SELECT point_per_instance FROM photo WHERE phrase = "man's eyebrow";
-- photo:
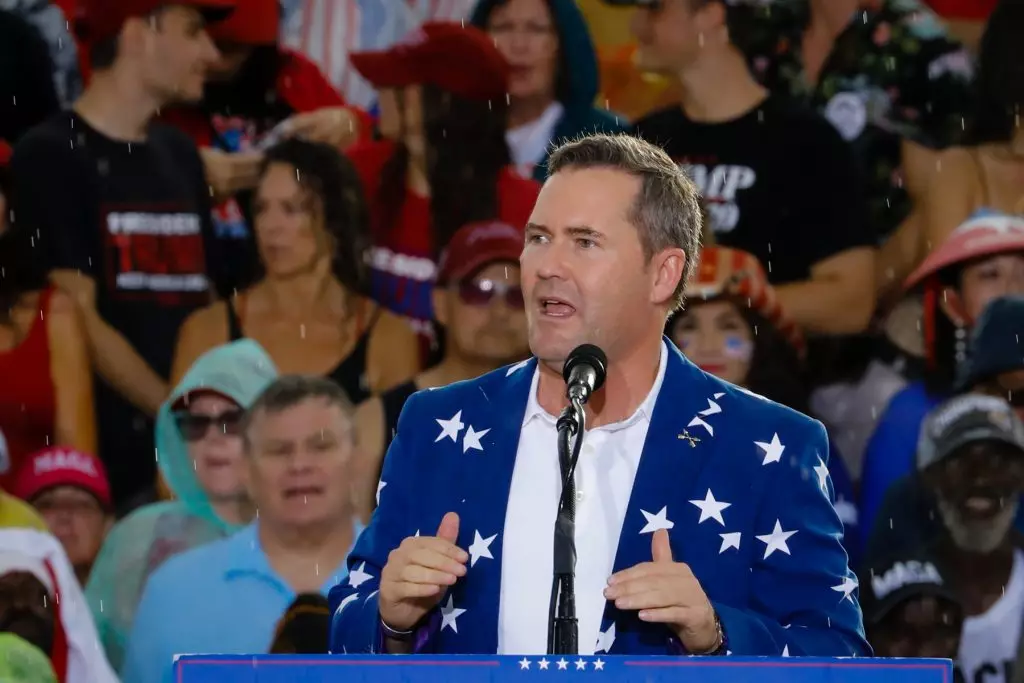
(583, 231)
(573, 230)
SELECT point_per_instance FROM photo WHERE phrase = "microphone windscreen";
(587, 354)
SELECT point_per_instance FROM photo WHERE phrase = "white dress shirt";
(604, 480)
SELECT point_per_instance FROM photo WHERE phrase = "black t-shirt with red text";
(136, 218)
(778, 182)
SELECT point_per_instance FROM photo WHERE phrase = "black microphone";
(584, 372)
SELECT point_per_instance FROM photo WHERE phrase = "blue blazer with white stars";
(770, 561)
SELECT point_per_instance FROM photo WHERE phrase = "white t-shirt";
(529, 142)
(988, 646)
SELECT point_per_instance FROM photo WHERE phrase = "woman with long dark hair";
(256, 93)
(46, 391)
(988, 174)
(309, 309)
(981, 261)
(734, 328)
(443, 161)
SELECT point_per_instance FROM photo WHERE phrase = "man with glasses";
(479, 304)
(71, 492)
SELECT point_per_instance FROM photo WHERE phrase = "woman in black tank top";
(307, 309)
(349, 374)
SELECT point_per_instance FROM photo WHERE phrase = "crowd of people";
(236, 237)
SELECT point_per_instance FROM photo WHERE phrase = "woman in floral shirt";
(892, 82)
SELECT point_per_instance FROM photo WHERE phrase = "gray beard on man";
(977, 536)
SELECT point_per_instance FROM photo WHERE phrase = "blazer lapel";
(485, 478)
(675, 451)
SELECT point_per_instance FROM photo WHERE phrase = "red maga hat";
(102, 19)
(475, 245)
(460, 59)
(58, 466)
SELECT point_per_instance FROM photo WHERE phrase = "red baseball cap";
(102, 19)
(254, 22)
(460, 59)
(476, 245)
(983, 236)
(57, 466)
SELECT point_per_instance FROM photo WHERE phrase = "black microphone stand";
(563, 629)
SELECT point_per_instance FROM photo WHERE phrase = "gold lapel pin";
(685, 436)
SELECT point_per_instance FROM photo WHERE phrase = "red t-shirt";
(28, 403)
(403, 263)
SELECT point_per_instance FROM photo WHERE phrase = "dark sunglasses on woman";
(481, 292)
(194, 427)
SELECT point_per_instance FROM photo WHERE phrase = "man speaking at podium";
(703, 518)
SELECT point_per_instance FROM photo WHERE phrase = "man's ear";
(134, 34)
(712, 21)
(667, 268)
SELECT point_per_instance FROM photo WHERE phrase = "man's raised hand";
(665, 591)
(418, 572)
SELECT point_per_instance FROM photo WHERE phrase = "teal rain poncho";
(141, 542)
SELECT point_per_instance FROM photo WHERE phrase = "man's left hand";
(336, 126)
(666, 592)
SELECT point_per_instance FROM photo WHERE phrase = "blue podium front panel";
(483, 669)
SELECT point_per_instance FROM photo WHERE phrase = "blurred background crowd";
(236, 236)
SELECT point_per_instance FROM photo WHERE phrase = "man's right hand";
(417, 574)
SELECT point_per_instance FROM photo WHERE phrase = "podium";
(540, 669)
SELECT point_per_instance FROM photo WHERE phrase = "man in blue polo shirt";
(226, 597)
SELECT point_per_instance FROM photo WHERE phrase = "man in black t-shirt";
(122, 213)
(777, 180)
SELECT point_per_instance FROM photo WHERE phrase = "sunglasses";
(194, 427)
(481, 292)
